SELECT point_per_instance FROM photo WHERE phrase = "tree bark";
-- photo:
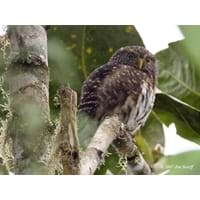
(28, 130)
(65, 151)
(106, 133)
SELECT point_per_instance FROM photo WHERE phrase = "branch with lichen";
(66, 147)
(112, 131)
(125, 146)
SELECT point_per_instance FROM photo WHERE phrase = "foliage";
(186, 163)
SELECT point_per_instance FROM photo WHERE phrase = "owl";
(124, 86)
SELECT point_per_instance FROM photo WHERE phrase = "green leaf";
(153, 131)
(144, 148)
(192, 43)
(178, 75)
(186, 118)
(151, 135)
(187, 163)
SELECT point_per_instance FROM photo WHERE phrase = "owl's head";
(135, 56)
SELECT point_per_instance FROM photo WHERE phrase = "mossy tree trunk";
(28, 131)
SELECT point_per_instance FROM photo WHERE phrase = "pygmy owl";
(124, 86)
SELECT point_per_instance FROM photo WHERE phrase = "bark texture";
(65, 151)
(96, 150)
(28, 129)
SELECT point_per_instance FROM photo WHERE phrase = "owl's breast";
(142, 108)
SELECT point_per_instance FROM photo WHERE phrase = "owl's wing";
(89, 95)
(90, 101)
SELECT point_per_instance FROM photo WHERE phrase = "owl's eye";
(148, 60)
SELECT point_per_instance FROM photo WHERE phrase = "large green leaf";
(153, 131)
(179, 75)
(187, 163)
(192, 43)
(150, 136)
(186, 118)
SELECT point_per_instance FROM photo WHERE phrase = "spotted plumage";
(124, 86)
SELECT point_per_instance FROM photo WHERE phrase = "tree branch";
(95, 152)
(66, 149)
(110, 132)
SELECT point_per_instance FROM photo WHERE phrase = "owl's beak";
(141, 62)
